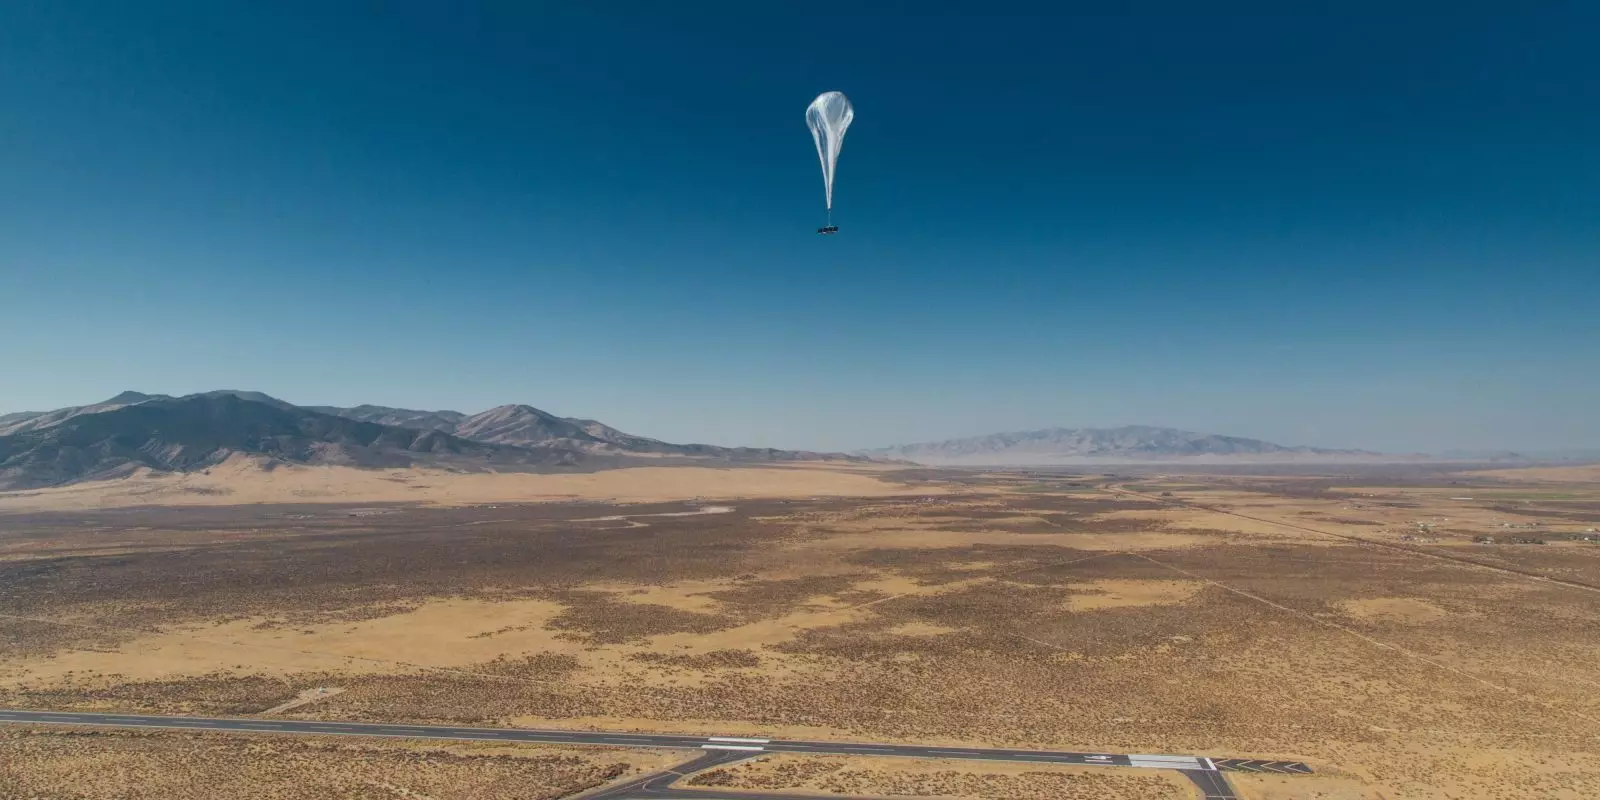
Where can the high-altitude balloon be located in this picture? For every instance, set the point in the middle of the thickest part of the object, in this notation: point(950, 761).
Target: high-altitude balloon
point(829, 116)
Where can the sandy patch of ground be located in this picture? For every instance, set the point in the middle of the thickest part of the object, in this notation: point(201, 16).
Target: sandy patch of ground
point(1252, 786)
point(1015, 521)
point(1417, 711)
point(243, 481)
point(894, 585)
point(1157, 517)
point(761, 635)
point(921, 629)
point(1193, 518)
point(453, 634)
point(757, 635)
point(974, 565)
point(445, 633)
point(304, 698)
point(902, 586)
point(945, 778)
point(1128, 593)
point(684, 595)
point(1587, 474)
point(1393, 609)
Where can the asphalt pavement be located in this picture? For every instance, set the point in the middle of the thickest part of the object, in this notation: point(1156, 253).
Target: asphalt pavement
point(717, 749)
point(1213, 786)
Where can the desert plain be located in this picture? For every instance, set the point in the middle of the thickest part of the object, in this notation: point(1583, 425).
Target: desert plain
point(1428, 632)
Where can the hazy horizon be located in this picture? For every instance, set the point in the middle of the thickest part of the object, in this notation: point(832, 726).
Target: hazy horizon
point(1553, 452)
point(1366, 228)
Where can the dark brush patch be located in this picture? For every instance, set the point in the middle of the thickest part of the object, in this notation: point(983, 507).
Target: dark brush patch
point(352, 568)
point(600, 618)
point(758, 598)
point(716, 659)
point(222, 694)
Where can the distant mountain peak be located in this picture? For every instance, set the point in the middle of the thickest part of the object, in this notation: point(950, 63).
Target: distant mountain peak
point(34, 420)
point(515, 409)
point(519, 424)
point(246, 395)
point(135, 430)
point(1125, 442)
point(399, 417)
point(127, 398)
point(201, 430)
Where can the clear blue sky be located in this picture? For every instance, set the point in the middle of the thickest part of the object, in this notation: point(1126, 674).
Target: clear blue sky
point(1344, 224)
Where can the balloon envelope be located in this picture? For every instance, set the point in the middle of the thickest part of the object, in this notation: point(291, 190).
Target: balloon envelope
point(829, 116)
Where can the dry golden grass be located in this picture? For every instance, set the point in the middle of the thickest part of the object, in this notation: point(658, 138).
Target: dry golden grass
point(1127, 593)
point(1585, 475)
point(942, 778)
point(1051, 618)
point(132, 765)
point(243, 480)
point(920, 538)
point(1393, 609)
point(1300, 787)
point(444, 634)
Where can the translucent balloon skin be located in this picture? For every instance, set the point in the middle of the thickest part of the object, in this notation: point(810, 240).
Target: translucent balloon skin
point(829, 116)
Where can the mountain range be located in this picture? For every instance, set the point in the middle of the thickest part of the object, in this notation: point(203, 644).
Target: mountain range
point(1129, 443)
point(133, 430)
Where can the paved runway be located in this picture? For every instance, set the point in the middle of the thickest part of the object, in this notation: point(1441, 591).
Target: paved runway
point(719, 749)
point(1213, 786)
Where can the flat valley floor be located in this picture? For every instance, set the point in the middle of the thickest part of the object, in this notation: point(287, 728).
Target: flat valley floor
point(1351, 623)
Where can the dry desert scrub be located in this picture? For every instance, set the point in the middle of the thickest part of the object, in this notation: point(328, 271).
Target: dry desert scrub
point(87, 765)
point(897, 777)
point(1009, 618)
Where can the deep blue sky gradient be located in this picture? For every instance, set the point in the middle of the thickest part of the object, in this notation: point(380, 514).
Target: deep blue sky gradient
point(1344, 224)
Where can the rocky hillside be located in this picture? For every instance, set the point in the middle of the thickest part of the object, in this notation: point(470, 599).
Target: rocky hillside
point(526, 426)
point(399, 417)
point(199, 431)
point(134, 430)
